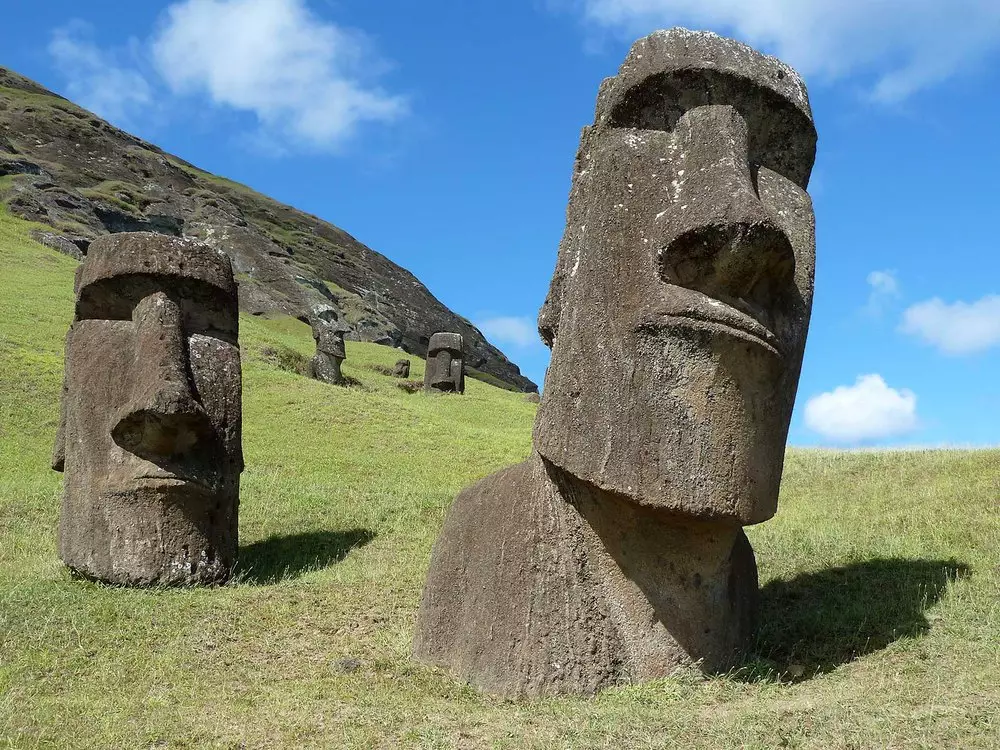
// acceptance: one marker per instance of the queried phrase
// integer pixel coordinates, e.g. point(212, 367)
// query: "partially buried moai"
point(445, 371)
point(150, 436)
point(677, 318)
point(328, 333)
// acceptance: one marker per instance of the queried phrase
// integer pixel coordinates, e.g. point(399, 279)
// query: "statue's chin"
point(690, 420)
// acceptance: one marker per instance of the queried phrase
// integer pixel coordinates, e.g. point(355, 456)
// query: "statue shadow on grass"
point(282, 558)
point(818, 621)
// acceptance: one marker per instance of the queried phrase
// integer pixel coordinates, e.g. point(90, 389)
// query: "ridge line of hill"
point(62, 166)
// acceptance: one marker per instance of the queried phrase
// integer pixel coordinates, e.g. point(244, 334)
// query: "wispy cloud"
point(519, 331)
point(304, 78)
point(868, 410)
point(95, 78)
point(884, 288)
point(957, 328)
point(899, 46)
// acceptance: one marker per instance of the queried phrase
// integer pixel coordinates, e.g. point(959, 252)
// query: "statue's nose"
point(725, 242)
point(163, 419)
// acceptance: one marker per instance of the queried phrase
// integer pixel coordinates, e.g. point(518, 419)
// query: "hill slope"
point(880, 582)
point(83, 177)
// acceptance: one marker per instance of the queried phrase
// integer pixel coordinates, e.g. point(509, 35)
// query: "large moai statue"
point(677, 318)
point(328, 333)
point(445, 371)
point(150, 436)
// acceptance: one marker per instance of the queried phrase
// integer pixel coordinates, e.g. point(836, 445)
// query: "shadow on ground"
point(815, 622)
point(281, 558)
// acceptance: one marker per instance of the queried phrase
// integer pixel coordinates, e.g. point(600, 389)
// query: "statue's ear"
point(570, 247)
point(548, 316)
point(59, 449)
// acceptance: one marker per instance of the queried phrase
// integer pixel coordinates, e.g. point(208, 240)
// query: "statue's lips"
point(171, 482)
point(699, 311)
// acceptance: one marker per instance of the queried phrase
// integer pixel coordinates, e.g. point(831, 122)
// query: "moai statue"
point(445, 369)
point(328, 333)
point(150, 435)
point(677, 318)
point(401, 369)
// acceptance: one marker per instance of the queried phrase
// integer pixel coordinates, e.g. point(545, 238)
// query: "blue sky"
point(442, 133)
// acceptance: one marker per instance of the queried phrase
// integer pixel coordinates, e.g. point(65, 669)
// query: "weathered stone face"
point(328, 333)
point(445, 369)
point(401, 369)
point(150, 440)
point(678, 311)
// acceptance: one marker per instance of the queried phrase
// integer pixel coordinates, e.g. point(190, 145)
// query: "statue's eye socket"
point(204, 308)
point(781, 136)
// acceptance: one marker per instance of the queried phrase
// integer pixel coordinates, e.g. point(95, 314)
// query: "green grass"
point(124, 195)
point(880, 582)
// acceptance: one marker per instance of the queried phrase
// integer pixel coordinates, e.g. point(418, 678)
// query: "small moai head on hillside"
point(328, 333)
point(150, 436)
point(445, 370)
point(401, 369)
point(678, 311)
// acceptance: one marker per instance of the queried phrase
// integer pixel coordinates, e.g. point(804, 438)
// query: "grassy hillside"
point(880, 582)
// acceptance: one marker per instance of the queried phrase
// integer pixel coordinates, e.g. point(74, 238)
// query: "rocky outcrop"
point(65, 167)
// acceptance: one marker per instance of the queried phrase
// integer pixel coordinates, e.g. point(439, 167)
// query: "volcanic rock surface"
point(66, 168)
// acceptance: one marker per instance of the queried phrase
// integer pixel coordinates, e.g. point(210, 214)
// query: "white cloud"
point(510, 330)
point(884, 283)
point(867, 410)
point(305, 79)
point(884, 288)
point(94, 78)
point(958, 328)
point(904, 45)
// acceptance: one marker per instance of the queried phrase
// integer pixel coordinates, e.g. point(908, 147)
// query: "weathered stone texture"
point(150, 436)
point(401, 369)
point(677, 317)
point(445, 370)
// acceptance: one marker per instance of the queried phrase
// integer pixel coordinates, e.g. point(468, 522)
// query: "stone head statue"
point(677, 318)
point(678, 311)
point(445, 369)
point(328, 332)
point(150, 438)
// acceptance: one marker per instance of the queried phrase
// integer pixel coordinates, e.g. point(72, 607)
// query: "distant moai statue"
point(445, 369)
point(401, 369)
point(677, 318)
point(331, 352)
point(150, 435)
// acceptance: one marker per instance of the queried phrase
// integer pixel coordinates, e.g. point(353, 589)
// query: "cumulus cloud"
point(901, 45)
point(957, 328)
point(95, 78)
point(510, 330)
point(305, 79)
point(867, 410)
point(884, 288)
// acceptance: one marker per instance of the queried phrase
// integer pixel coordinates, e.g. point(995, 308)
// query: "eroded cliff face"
point(64, 167)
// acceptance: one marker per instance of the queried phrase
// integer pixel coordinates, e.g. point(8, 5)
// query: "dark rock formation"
point(85, 178)
point(401, 369)
point(677, 318)
point(151, 415)
point(445, 369)
point(328, 333)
